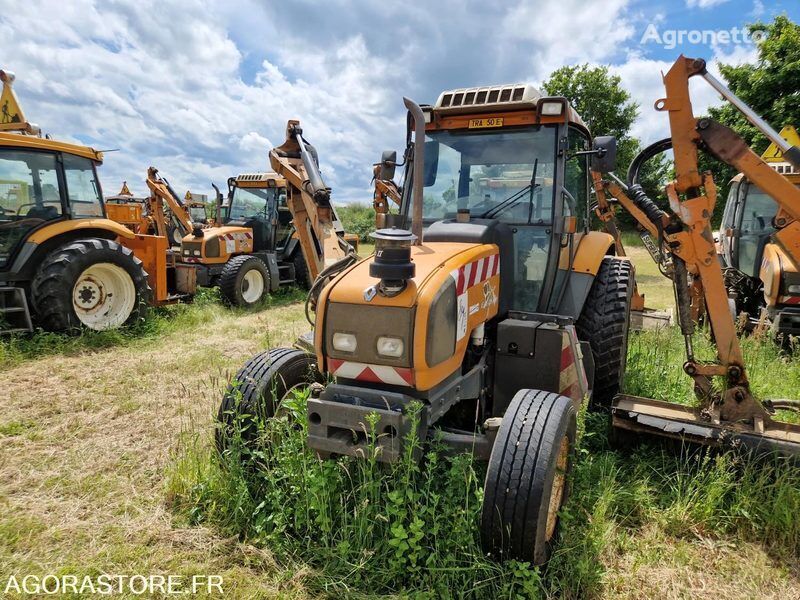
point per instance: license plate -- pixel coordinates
(482, 123)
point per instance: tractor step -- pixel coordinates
(14, 314)
(685, 423)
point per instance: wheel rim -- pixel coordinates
(252, 286)
(557, 492)
(103, 296)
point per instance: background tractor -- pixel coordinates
(63, 264)
(499, 312)
(761, 275)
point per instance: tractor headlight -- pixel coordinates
(390, 346)
(793, 289)
(344, 342)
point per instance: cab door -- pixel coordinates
(756, 211)
(727, 228)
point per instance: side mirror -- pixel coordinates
(431, 162)
(387, 165)
(604, 159)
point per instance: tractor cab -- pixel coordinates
(254, 201)
(506, 165)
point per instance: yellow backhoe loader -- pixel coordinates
(63, 264)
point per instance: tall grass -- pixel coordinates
(361, 528)
(205, 308)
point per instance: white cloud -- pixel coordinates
(110, 75)
(704, 3)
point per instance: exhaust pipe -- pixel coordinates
(419, 168)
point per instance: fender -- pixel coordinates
(61, 227)
(47, 238)
(592, 248)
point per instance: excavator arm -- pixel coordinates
(727, 412)
(309, 201)
(161, 194)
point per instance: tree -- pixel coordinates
(607, 109)
(771, 86)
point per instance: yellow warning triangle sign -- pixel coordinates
(11, 116)
(773, 154)
(124, 191)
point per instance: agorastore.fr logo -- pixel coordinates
(108, 585)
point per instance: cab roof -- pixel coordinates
(497, 99)
(34, 142)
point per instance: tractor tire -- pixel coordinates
(175, 236)
(244, 281)
(527, 478)
(259, 387)
(92, 283)
(604, 323)
(301, 275)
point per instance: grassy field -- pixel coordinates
(106, 466)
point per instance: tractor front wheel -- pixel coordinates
(244, 281)
(258, 390)
(527, 479)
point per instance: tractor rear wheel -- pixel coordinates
(526, 482)
(301, 275)
(258, 389)
(244, 281)
(93, 283)
(604, 323)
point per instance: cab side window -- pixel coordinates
(576, 174)
(82, 187)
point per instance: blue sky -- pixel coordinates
(208, 93)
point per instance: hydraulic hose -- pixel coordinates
(322, 279)
(635, 190)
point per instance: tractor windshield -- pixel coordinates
(507, 175)
(253, 203)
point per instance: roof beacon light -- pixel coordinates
(392, 263)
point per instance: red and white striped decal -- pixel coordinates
(789, 300)
(372, 373)
(572, 379)
(475, 272)
(248, 235)
(229, 236)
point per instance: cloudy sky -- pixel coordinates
(203, 89)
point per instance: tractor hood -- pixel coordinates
(455, 289)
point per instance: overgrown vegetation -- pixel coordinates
(359, 219)
(359, 528)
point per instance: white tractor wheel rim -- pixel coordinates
(252, 286)
(104, 296)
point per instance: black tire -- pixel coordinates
(517, 520)
(53, 289)
(604, 323)
(301, 275)
(233, 283)
(175, 236)
(258, 389)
